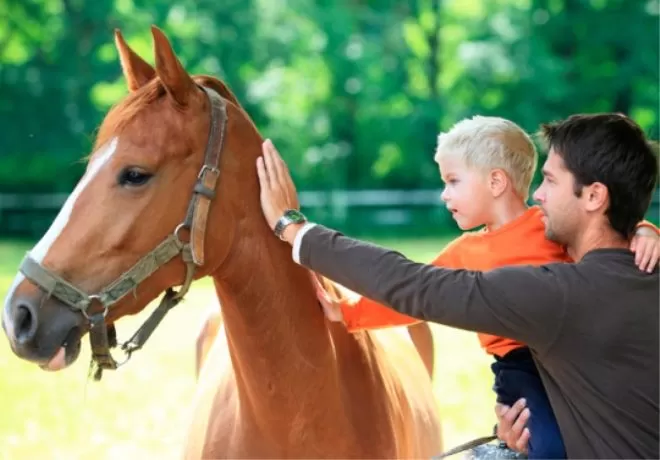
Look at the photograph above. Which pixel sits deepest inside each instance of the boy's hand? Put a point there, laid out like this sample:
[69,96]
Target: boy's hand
[331,308]
[646,246]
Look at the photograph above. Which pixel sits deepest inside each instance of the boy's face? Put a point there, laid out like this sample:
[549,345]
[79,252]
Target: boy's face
[466,192]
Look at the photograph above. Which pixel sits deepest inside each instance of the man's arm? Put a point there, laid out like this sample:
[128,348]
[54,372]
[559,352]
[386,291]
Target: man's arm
[364,313]
[523,303]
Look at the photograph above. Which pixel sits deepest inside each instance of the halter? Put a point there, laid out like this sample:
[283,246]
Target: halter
[103,337]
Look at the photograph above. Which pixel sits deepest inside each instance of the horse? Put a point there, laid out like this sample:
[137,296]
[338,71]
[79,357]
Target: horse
[170,195]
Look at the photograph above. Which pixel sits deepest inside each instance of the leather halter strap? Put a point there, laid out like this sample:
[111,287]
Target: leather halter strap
[102,336]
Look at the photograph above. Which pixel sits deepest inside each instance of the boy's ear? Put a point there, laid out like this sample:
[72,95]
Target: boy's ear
[498,182]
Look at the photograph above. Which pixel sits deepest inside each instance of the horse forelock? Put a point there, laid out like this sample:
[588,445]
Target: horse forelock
[126,110]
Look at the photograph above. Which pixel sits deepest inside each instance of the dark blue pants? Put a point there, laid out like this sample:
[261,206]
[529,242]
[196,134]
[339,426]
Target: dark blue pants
[516,376]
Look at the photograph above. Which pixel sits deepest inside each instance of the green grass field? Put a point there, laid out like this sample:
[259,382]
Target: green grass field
[140,411]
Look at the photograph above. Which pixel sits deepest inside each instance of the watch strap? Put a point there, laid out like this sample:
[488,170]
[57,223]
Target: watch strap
[290,216]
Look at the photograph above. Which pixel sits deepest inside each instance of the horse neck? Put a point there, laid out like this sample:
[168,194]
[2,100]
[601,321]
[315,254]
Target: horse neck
[278,340]
[280,346]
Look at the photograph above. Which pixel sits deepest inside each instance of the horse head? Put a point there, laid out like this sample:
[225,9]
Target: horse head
[135,225]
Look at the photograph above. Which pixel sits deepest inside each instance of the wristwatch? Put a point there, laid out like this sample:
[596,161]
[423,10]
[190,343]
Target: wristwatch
[290,216]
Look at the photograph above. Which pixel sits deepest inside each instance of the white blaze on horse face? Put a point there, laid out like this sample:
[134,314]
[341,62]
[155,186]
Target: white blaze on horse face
[41,249]
[39,252]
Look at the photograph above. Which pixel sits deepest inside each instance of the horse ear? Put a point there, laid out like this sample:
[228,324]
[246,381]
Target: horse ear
[177,82]
[136,70]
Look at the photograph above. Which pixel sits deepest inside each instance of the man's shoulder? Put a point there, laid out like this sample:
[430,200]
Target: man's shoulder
[607,272]
[616,261]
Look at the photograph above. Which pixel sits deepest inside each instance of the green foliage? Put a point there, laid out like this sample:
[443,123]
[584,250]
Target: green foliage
[353,93]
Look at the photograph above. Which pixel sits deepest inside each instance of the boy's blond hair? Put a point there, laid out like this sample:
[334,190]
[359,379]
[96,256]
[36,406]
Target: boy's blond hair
[492,142]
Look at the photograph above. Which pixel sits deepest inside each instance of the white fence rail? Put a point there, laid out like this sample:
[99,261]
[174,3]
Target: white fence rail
[309,199]
[22,214]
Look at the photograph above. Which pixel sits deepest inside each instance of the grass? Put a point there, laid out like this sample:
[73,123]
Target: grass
[140,411]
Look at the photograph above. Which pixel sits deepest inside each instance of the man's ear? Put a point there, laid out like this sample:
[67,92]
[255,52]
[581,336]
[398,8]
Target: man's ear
[596,197]
[498,181]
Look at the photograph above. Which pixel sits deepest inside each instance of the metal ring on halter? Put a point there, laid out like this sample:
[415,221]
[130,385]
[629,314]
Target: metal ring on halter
[177,230]
[84,312]
[127,355]
[94,297]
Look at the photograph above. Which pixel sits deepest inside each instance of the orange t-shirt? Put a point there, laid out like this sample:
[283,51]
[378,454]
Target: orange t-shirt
[519,242]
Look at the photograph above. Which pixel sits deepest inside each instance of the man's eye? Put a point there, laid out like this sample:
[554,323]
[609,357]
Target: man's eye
[133,177]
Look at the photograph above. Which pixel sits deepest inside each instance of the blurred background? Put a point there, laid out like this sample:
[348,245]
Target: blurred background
[353,93]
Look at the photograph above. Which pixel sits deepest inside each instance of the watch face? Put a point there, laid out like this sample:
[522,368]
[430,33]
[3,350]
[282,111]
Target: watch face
[295,215]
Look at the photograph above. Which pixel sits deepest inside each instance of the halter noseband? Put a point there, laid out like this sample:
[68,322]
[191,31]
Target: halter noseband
[103,337]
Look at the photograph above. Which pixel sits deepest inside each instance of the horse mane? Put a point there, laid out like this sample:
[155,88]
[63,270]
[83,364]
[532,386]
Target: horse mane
[218,86]
[127,109]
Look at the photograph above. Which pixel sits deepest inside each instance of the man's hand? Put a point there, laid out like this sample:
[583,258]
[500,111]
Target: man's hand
[278,193]
[646,246]
[511,423]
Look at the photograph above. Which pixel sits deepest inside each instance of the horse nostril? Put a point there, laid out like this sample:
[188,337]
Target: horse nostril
[25,323]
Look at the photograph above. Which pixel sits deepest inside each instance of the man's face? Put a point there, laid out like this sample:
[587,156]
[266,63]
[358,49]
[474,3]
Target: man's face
[556,196]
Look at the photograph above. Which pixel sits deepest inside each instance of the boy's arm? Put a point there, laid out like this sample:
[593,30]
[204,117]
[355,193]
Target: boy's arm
[523,303]
[369,314]
[646,246]
[645,224]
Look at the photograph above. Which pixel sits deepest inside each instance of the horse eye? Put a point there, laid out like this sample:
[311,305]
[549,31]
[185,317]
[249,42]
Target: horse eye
[133,177]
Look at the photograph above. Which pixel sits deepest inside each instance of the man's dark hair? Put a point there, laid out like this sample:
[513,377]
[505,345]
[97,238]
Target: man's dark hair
[611,149]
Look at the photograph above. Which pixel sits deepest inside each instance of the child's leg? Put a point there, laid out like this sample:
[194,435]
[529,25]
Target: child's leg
[545,440]
[516,377]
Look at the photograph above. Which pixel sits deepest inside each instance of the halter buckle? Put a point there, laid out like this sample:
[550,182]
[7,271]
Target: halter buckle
[208,168]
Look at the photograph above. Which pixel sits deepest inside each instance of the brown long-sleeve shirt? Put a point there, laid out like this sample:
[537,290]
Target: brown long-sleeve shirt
[592,326]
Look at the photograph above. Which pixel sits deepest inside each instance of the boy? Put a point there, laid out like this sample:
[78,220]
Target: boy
[487,165]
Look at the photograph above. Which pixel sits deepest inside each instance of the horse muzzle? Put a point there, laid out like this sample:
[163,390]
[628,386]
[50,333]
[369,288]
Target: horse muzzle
[41,328]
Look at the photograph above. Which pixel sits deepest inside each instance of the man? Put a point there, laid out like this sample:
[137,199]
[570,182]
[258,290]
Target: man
[592,326]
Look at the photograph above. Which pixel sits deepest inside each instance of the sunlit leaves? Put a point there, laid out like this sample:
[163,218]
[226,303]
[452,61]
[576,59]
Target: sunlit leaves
[353,93]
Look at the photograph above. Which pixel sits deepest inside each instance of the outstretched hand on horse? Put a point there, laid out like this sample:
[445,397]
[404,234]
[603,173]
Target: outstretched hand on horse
[278,192]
